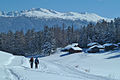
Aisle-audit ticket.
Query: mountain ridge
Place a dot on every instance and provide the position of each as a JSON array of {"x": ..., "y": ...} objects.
[
  {"x": 37, "y": 18},
  {"x": 49, "y": 13}
]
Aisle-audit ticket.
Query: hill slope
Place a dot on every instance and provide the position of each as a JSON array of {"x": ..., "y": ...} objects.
[
  {"x": 38, "y": 17},
  {"x": 72, "y": 67}
]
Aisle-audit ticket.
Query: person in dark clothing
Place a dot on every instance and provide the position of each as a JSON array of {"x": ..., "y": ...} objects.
[
  {"x": 36, "y": 63},
  {"x": 31, "y": 62}
]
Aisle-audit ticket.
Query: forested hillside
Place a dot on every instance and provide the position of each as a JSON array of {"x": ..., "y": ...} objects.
[
  {"x": 46, "y": 41},
  {"x": 37, "y": 18}
]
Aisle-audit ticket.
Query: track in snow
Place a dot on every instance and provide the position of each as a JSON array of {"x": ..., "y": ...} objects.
[{"x": 19, "y": 71}]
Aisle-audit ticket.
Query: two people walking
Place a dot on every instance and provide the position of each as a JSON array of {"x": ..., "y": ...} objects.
[{"x": 32, "y": 61}]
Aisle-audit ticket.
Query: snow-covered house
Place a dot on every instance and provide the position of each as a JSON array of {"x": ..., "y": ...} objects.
[
  {"x": 118, "y": 44},
  {"x": 95, "y": 49},
  {"x": 100, "y": 46},
  {"x": 69, "y": 46},
  {"x": 92, "y": 44},
  {"x": 75, "y": 44},
  {"x": 73, "y": 48},
  {"x": 110, "y": 46}
]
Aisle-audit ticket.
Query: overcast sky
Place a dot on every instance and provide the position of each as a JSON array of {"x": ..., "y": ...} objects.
[{"x": 105, "y": 8}]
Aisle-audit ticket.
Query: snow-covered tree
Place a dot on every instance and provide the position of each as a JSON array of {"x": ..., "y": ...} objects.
[{"x": 48, "y": 41}]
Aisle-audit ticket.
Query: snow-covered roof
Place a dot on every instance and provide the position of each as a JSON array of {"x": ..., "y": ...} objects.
[
  {"x": 98, "y": 46},
  {"x": 118, "y": 43},
  {"x": 73, "y": 47},
  {"x": 76, "y": 48},
  {"x": 92, "y": 47},
  {"x": 70, "y": 46},
  {"x": 115, "y": 44},
  {"x": 93, "y": 43},
  {"x": 74, "y": 44},
  {"x": 108, "y": 44}
]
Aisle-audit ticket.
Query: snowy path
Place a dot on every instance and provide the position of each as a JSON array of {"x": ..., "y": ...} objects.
[
  {"x": 12, "y": 75},
  {"x": 50, "y": 68},
  {"x": 9, "y": 69},
  {"x": 66, "y": 70}
]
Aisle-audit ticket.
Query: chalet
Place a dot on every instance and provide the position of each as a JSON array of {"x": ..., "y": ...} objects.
[
  {"x": 92, "y": 44},
  {"x": 75, "y": 50},
  {"x": 75, "y": 45},
  {"x": 101, "y": 47},
  {"x": 110, "y": 46},
  {"x": 66, "y": 49},
  {"x": 95, "y": 49},
  {"x": 118, "y": 44}
]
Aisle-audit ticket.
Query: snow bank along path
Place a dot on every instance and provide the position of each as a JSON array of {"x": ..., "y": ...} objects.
[{"x": 50, "y": 68}]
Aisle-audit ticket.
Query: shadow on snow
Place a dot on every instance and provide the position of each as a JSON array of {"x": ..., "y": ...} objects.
[{"x": 112, "y": 57}]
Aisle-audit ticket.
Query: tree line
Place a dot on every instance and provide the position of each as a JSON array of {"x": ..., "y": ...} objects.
[
  {"x": 32, "y": 42},
  {"x": 101, "y": 32},
  {"x": 46, "y": 41}
]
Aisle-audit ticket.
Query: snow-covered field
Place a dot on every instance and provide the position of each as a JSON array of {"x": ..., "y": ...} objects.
[{"x": 79, "y": 66}]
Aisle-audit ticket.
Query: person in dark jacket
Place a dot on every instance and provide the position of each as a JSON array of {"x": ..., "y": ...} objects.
[
  {"x": 31, "y": 62},
  {"x": 36, "y": 63}
]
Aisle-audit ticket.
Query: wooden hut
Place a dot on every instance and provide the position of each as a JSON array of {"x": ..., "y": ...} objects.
[
  {"x": 93, "y": 49},
  {"x": 75, "y": 50},
  {"x": 92, "y": 44},
  {"x": 110, "y": 46}
]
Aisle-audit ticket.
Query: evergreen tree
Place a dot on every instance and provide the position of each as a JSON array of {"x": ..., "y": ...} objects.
[
  {"x": 48, "y": 41},
  {"x": 30, "y": 40},
  {"x": 11, "y": 41},
  {"x": 19, "y": 43}
]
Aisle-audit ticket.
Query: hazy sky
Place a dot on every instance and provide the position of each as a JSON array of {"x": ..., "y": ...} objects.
[{"x": 105, "y": 8}]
